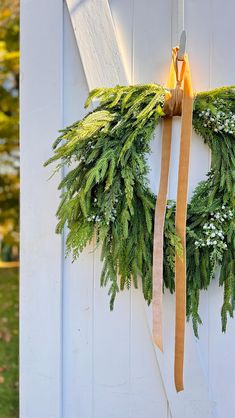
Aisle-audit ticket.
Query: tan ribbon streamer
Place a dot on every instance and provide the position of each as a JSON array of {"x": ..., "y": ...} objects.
[{"x": 179, "y": 101}]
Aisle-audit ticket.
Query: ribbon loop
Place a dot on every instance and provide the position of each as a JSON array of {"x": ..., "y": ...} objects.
[{"x": 178, "y": 102}]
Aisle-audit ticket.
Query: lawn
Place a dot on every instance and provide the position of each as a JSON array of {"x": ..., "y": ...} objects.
[{"x": 9, "y": 283}]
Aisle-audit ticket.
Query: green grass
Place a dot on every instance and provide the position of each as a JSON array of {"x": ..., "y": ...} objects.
[{"x": 9, "y": 284}]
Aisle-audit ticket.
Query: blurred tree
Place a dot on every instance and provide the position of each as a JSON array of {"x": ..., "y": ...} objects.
[{"x": 9, "y": 121}]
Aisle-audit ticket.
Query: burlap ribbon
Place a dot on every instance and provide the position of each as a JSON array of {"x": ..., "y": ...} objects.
[{"x": 178, "y": 101}]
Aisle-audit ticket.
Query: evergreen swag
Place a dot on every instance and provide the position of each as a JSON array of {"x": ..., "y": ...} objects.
[{"x": 106, "y": 194}]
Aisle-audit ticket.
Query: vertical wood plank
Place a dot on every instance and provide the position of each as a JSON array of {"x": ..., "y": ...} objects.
[
  {"x": 110, "y": 372},
  {"x": 148, "y": 396},
  {"x": 200, "y": 49},
  {"x": 112, "y": 379},
  {"x": 78, "y": 276},
  {"x": 221, "y": 346},
  {"x": 222, "y": 26},
  {"x": 41, "y": 279},
  {"x": 152, "y": 41},
  {"x": 149, "y": 64},
  {"x": 112, "y": 330}
]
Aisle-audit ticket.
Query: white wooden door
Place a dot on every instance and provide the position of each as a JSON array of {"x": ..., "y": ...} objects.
[{"x": 78, "y": 360}]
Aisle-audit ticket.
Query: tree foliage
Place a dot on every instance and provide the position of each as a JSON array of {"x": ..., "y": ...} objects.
[{"x": 9, "y": 119}]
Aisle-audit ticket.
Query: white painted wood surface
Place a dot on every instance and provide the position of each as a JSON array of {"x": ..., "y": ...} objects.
[
  {"x": 78, "y": 359},
  {"x": 41, "y": 273}
]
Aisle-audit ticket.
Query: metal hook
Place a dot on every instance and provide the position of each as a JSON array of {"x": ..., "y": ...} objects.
[{"x": 182, "y": 46}]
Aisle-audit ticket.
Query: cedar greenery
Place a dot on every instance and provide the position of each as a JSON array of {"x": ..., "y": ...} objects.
[{"x": 106, "y": 194}]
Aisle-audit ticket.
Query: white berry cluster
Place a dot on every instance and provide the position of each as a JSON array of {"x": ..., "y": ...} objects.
[
  {"x": 170, "y": 204},
  {"x": 106, "y": 217},
  {"x": 213, "y": 232},
  {"x": 90, "y": 146},
  {"x": 218, "y": 120}
]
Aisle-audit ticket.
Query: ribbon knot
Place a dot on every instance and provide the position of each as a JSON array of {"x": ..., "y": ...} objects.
[
  {"x": 178, "y": 102},
  {"x": 173, "y": 102}
]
